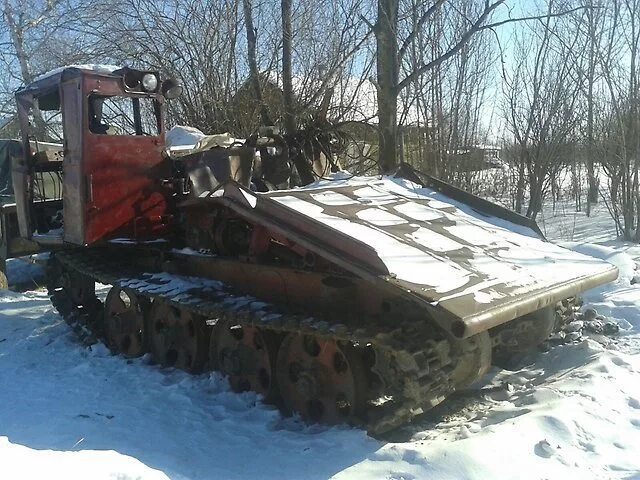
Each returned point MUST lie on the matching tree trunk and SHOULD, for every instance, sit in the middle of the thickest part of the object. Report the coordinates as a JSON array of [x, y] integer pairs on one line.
[[520, 183], [287, 75], [16, 33], [592, 193], [253, 64], [17, 37], [387, 84], [296, 154]]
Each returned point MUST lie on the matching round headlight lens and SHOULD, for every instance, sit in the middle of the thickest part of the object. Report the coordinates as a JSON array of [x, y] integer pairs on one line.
[[149, 82], [171, 88]]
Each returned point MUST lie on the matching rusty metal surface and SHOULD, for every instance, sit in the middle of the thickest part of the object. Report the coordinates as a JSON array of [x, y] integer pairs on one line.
[[123, 322], [324, 293], [208, 169], [246, 355], [177, 338], [415, 369], [476, 271], [124, 176], [74, 185], [113, 184], [20, 170], [320, 379]]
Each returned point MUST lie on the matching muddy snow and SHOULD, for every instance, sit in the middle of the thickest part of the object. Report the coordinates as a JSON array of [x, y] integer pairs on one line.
[[72, 412]]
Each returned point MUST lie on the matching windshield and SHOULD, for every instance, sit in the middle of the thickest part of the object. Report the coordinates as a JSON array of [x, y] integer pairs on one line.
[[123, 115]]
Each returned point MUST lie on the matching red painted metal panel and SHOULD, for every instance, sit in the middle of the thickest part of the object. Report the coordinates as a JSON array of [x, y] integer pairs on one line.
[[123, 174]]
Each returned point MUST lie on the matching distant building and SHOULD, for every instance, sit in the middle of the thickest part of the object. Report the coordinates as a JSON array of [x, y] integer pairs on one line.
[[476, 157]]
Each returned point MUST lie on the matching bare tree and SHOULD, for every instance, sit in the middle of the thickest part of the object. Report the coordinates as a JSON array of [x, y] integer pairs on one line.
[[36, 37], [540, 108], [620, 131], [391, 50], [254, 73], [590, 13], [453, 117]]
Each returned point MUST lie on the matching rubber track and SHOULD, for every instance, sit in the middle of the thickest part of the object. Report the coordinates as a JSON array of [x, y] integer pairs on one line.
[[414, 368]]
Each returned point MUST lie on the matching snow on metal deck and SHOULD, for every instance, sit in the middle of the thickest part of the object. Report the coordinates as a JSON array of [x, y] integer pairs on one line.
[[457, 258]]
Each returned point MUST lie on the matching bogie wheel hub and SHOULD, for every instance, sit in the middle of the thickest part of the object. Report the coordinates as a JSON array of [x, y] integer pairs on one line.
[[177, 338], [247, 356], [124, 322], [322, 380]]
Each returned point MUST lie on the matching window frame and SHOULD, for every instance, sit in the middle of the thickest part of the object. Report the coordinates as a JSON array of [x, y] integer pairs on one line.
[[136, 119]]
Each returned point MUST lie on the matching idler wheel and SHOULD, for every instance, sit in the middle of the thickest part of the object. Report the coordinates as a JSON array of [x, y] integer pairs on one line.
[[471, 359], [124, 322], [247, 356], [321, 380], [177, 338], [518, 337]]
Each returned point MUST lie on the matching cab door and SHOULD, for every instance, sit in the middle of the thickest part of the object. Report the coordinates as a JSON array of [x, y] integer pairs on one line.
[[124, 166]]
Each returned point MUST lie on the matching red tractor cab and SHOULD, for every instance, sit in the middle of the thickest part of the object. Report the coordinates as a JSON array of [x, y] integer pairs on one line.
[[108, 177]]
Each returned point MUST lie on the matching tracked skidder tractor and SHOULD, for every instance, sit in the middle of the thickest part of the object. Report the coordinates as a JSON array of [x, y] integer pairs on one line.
[[363, 300]]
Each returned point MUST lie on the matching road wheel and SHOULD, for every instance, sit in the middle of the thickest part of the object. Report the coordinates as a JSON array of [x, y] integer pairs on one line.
[[177, 338], [124, 322], [247, 356], [322, 380]]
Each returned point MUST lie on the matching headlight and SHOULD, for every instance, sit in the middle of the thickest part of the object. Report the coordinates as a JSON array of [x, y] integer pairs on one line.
[[171, 88], [149, 82]]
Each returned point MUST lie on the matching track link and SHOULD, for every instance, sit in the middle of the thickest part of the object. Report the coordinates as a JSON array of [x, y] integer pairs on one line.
[[415, 370]]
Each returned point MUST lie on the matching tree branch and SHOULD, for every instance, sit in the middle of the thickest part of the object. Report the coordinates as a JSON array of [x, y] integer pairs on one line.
[[535, 17], [479, 26], [414, 33], [476, 27]]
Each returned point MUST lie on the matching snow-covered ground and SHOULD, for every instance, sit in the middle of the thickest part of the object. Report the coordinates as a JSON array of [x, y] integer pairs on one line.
[[72, 412]]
